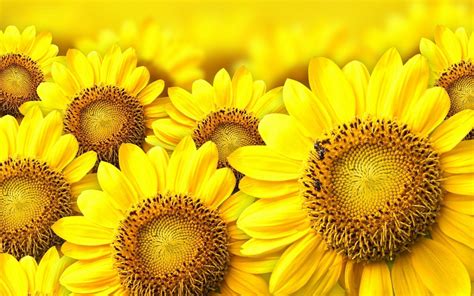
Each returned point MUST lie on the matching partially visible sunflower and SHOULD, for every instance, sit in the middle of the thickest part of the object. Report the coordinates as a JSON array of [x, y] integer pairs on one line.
[[365, 181], [40, 178], [166, 57], [161, 226], [26, 277], [452, 66], [105, 101], [25, 62], [227, 113]]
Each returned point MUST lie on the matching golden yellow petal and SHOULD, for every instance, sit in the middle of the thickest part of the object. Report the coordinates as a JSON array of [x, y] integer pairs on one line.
[[375, 280], [79, 230]]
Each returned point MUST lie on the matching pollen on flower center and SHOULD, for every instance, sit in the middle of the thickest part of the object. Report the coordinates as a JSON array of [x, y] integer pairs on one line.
[[229, 129], [32, 198], [104, 117], [372, 188], [172, 244], [19, 78]]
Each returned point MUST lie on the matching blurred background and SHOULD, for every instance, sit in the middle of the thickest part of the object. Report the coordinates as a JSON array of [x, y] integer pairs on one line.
[[184, 40]]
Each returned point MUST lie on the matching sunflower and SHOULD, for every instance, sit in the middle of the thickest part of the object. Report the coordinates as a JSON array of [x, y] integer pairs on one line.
[[227, 113], [452, 66], [40, 177], [26, 277], [165, 56], [364, 180], [161, 225], [104, 101], [25, 62]]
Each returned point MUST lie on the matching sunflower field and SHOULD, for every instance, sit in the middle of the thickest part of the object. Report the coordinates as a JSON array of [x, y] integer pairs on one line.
[[236, 147]]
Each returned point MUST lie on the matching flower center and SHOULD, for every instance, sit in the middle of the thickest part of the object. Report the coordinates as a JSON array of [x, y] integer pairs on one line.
[[229, 129], [104, 117], [19, 78], [372, 188], [171, 243], [32, 198], [458, 80]]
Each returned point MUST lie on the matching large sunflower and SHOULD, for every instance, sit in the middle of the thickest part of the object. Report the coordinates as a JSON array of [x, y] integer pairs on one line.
[[166, 57], [364, 180], [25, 62], [40, 177], [26, 277], [161, 226], [105, 101], [227, 113], [452, 66]]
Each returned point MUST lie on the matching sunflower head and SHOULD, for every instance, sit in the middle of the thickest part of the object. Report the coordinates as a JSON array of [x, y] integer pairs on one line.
[[105, 101], [26, 276], [356, 180], [165, 56], [25, 62], [226, 112], [169, 227], [40, 176], [451, 58]]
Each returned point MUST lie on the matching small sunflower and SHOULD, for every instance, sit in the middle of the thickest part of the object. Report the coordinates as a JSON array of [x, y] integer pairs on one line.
[[25, 62], [26, 277], [40, 177], [366, 181], [166, 57], [452, 66], [161, 226], [227, 113], [105, 101]]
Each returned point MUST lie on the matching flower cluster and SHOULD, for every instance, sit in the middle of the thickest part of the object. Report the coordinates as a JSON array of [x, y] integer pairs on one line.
[[122, 172]]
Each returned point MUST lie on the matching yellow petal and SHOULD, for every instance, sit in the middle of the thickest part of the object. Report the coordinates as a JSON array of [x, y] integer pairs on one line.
[[46, 273], [8, 133], [439, 269], [268, 189], [405, 278], [429, 111], [324, 279], [358, 76], [245, 283], [375, 280], [463, 252], [352, 276], [223, 87], [89, 276], [446, 136], [137, 167], [159, 159], [289, 141], [232, 207], [88, 182], [457, 226], [204, 93], [242, 87], [137, 81], [218, 188], [459, 203], [329, 84], [292, 271], [260, 247], [268, 218], [184, 102], [178, 173], [63, 152], [170, 131], [13, 276], [80, 166], [309, 111], [115, 184], [25, 145], [264, 163], [85, 252], [271, 102], [29, 266], [96, 206], [459, 160], [52, 96], [65, 79], [254, 265], [80, 230], [460, 184], [11, 39], [79, 63], [385, 72], [151, 92], [46, 134], [449, 44], [433, 53], [202, 166]]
